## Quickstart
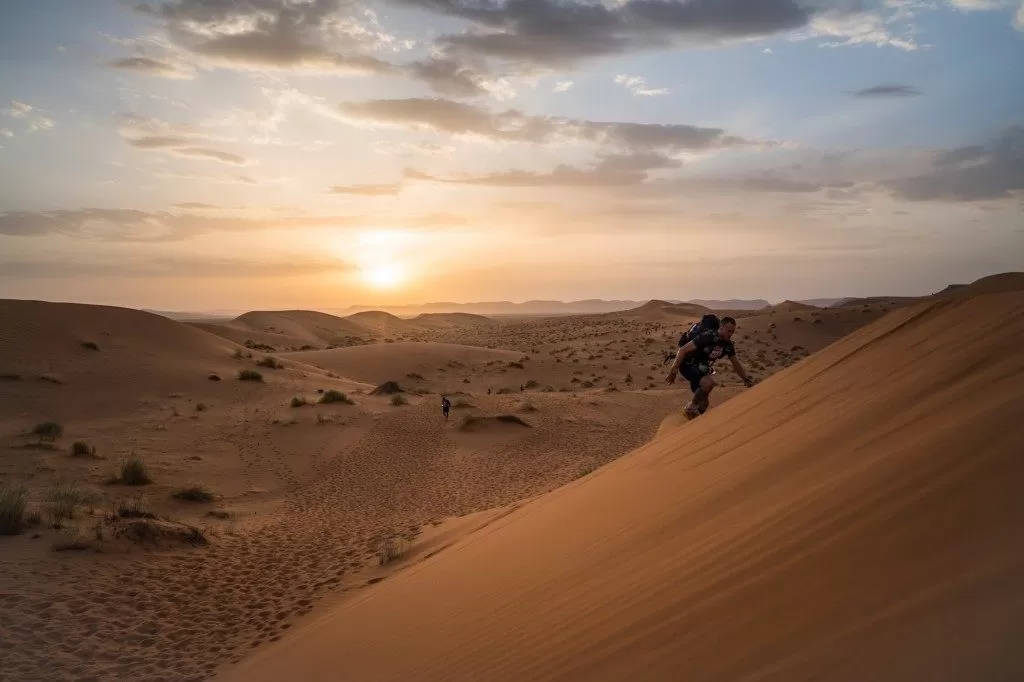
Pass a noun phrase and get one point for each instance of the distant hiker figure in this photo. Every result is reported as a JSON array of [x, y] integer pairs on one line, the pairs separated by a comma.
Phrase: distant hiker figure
[[445, 406], [695, 361]]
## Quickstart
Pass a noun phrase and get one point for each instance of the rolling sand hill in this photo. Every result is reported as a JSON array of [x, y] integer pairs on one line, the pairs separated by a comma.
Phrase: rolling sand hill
[[661, 311], [312, 326], [451, 320], [61, 357], [789, 307], [855, 517], [384, 324]]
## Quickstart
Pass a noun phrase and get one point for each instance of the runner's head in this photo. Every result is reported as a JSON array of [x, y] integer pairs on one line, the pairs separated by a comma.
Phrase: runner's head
[[727, 328]]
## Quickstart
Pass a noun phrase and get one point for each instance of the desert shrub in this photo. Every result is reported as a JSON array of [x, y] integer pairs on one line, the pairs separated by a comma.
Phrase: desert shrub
[[270, 363], [298, 401], [48, 431], [82, 449], [398, 400], [462, 403], [527, 406], [250, 375], [10, 376], [13, 500], [134, 508], [201, 407], [196, 492], [587, 466], [91, 345], [61, 501], [333, 396], [134, 472], [391, 548]]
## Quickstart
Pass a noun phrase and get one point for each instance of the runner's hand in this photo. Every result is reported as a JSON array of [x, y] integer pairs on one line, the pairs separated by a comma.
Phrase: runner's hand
[[671, 378]]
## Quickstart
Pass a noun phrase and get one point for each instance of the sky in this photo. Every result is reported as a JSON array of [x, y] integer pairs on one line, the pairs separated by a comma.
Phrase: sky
[[265, 154]]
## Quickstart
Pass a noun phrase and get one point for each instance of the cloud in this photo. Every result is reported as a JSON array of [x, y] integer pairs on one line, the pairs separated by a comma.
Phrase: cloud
[[888, 90], [194, 205], [609, 171], [552, 33], [152, 67], [459, 118], [203, 153], [366, 190], [152, 134], [169, 267], [852, 28], [638, 85], [35, 120], [201, 177], [562, 86], [450, 77], [18, 109], [135, 226], [6, 132], [972, 173], [274, 34]]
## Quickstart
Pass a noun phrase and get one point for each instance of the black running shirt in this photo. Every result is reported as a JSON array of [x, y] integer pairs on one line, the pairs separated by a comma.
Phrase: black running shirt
[[710, 347]]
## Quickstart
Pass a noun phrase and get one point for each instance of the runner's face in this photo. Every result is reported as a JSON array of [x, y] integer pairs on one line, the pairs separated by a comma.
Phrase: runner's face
[[726, 331]]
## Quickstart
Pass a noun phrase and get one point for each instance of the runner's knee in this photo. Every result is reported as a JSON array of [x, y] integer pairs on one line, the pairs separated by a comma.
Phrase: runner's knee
[[707, 383]]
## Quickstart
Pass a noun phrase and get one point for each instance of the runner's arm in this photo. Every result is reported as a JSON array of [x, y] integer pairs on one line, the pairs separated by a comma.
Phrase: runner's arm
[[681, 353], [739, 369]]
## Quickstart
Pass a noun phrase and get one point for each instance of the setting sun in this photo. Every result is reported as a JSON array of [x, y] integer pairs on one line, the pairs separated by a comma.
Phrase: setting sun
[[386, 276]]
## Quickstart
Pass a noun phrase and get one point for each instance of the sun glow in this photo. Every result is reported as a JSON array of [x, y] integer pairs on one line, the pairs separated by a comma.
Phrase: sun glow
[[384, 276]]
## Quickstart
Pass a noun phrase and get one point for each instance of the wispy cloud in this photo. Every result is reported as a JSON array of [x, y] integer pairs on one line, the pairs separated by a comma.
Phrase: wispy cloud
[[151, 134], [888, 90], [153, 67], [134, 226], [366, 190], [608, 171], [34, 118], [562, 86], [461, 119], [638, 85]]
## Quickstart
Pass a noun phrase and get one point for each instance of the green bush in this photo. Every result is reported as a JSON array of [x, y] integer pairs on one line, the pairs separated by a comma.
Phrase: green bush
[[249, 375]]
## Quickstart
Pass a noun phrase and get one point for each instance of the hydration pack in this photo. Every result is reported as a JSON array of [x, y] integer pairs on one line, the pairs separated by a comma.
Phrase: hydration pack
[[709, 322]]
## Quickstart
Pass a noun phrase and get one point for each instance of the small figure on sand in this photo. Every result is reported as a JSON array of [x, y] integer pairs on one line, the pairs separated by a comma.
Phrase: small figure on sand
[[446, 405], [695, 360]]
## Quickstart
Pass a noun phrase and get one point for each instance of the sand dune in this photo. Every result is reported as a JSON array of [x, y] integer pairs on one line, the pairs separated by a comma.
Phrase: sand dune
[[310, 325], [661, 311], [790, 307], [256, 339], [449, 320], [856, 516]]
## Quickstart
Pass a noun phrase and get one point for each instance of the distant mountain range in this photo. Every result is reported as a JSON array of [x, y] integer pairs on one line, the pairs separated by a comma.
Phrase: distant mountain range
[[527, 308]]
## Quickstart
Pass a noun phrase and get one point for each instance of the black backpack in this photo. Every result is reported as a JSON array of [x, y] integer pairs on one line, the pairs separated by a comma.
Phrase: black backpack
[[709, 322]]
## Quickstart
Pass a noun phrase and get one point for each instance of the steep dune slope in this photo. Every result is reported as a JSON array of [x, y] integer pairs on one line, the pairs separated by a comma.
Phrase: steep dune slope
[[855, 517]]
